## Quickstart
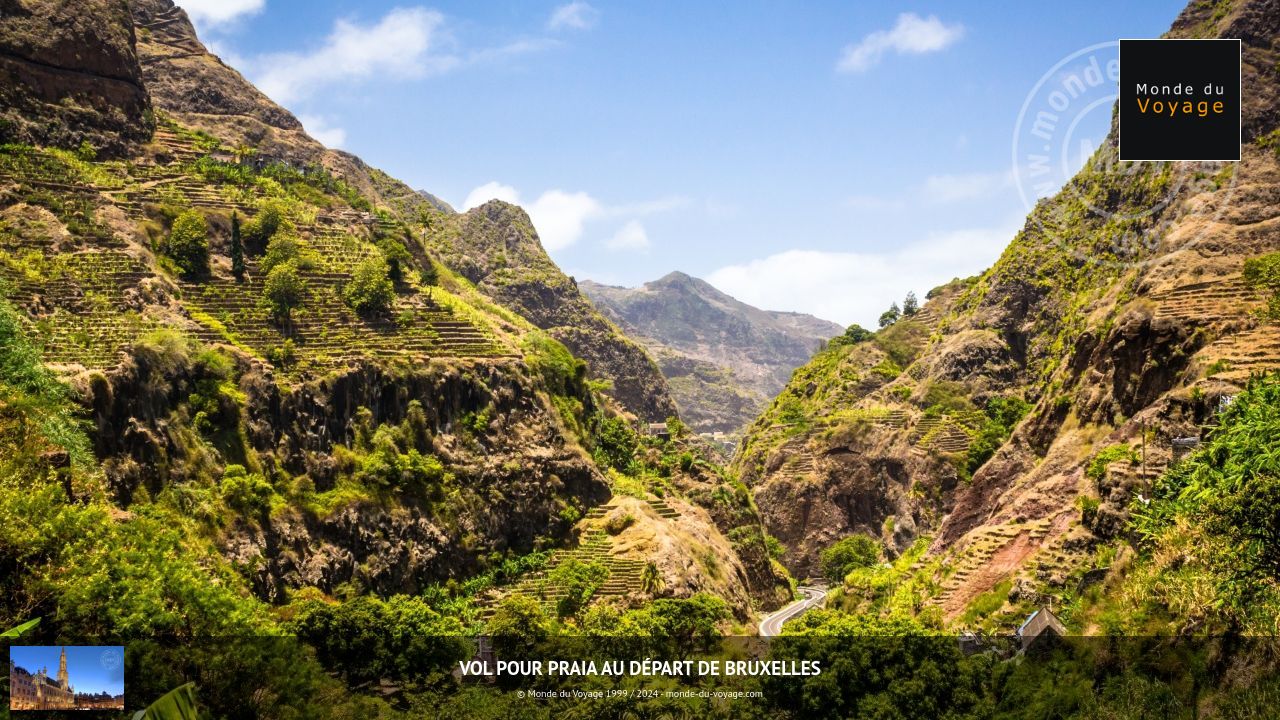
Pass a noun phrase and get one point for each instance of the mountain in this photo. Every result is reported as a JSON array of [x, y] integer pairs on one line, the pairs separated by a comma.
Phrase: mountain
[[241, 371], [724, 359], [496, 247], [1005, 431]]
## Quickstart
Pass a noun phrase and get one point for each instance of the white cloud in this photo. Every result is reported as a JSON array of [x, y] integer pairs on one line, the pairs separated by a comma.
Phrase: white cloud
[[851, 287], [631, 236], [575, 15], [320, 129], [558, 216], [209, 13], [911, 35], [491, 191], [400, 45]]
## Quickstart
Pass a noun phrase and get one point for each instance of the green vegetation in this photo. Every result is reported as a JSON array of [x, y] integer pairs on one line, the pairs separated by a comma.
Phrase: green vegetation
[[890, 316], [284, 289], [188, 244], [1263, 273], [370, 290], [1096, 470], [579, 581], [1217, 506], [247, 492], [368, 639], [1002, 414], [848, 554], [237, 248]]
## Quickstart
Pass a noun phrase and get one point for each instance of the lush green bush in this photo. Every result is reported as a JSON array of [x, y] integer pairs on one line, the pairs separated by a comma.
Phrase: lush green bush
[[390, 465], [368, 639], [1002, 415], [579, 580], [1263, 273], [615, 443], [853, 335], [259, 231], [247, 492], [370, 289], [849, 554], [188, 244], [287, 247], [284, 289]]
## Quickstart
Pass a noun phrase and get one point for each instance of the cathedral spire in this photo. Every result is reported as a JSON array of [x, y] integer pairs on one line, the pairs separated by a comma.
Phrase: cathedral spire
[[63, 681]]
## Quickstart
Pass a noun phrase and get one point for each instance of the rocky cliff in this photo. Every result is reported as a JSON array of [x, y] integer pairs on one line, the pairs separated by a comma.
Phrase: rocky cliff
[[1014, 418], [69, 74], [496, 247], [724, 359], [315, 441]]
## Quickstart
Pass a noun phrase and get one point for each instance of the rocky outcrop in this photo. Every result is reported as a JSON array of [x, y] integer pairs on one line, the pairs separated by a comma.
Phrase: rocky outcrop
[[1112, 353], [510, 481], [69, 74], [496, 247], [722, 357]]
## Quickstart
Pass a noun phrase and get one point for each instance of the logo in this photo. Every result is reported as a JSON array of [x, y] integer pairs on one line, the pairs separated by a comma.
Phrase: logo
[[1064, 129], [1179, 100]]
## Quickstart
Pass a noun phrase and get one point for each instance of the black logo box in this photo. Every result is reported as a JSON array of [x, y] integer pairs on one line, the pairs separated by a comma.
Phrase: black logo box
[[1183, 64]]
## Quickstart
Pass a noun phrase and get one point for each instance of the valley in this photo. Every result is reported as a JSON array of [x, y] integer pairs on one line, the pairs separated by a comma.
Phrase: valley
[[306, 439]]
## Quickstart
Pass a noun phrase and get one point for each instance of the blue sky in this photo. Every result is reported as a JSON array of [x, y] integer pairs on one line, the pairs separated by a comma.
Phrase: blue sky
[[90, 669], [821, 157]]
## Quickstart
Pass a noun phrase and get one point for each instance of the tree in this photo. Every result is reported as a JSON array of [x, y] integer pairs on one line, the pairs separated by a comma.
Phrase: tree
[[283, 247], [370, 289], [518, 625], [428, 274], [284, 289], [689, 625], [396, 255], [579, 581], [910, 306], [188, 244], [853, 335], [237, 248], [651, 579], [844, 556], [263, 227], [1263, 273], [890, 316]]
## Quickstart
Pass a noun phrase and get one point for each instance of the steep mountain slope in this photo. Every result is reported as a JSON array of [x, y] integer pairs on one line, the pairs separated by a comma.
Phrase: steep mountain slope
[[265, 347], [203, 93], [1015, 417], [496, 247], [724, 359], [54, 91]]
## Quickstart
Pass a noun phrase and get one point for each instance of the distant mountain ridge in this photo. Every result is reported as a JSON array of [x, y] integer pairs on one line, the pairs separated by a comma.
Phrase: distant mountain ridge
[[723, 358]]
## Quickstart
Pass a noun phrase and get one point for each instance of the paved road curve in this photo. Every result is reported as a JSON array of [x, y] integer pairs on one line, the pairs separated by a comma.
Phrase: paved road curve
[[811, 596]]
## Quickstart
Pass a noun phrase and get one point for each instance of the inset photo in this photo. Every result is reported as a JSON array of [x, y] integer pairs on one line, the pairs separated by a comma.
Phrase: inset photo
[[53, 677]]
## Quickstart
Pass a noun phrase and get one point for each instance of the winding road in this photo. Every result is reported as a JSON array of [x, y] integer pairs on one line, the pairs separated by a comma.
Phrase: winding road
[[812, 596]]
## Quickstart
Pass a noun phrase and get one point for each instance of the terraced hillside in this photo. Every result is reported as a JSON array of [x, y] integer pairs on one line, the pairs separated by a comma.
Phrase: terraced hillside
[[95, 287], [1016, 417]]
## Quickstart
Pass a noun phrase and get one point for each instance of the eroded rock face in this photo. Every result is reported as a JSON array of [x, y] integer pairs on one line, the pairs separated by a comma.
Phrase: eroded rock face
[[510, 481], [69, 74], [496, 247], [1107, 351]]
